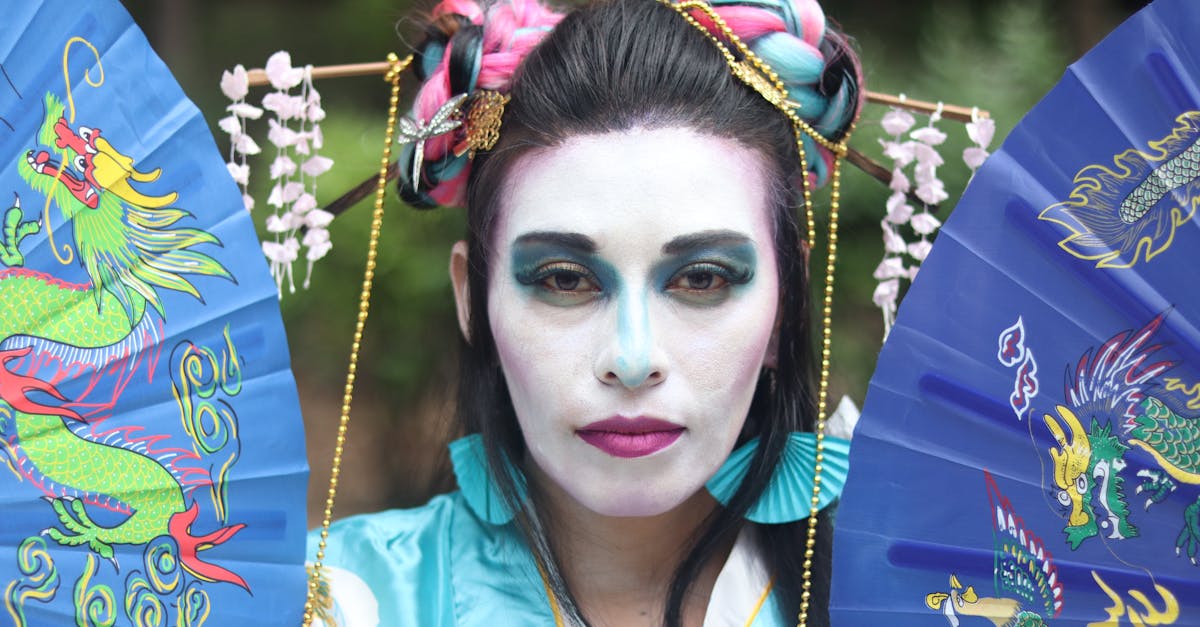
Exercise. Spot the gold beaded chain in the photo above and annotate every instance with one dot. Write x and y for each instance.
(757, 74)
(315, 579)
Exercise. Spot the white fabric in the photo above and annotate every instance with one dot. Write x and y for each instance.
(740, 584)
(354, 605)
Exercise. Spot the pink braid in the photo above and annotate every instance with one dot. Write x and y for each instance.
(465, 8)
(752, 23)
(748, 22)
(812, 21)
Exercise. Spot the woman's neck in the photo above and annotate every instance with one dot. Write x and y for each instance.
(620, 568)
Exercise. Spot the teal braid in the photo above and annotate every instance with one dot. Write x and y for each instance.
(823, 79)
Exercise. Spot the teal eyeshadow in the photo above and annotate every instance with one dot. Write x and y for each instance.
(529, 258)
(633, 324)
(740, 259)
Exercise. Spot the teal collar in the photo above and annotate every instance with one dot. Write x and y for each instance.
(786, 498)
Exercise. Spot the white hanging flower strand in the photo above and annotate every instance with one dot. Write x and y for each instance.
(980, 130)
(918, 153)
(235, 85)
(930, 189)
(294, 130)
(891, 269)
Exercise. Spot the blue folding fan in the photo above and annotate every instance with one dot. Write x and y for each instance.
(1029, 452)
(152, 467)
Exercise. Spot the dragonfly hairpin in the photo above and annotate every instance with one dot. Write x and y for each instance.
(441, 122)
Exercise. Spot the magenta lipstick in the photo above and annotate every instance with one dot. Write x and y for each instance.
(630, 437)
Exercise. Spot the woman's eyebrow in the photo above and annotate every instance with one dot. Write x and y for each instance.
(575, 241)
(704, 239)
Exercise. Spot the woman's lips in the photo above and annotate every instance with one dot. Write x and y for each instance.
(630, 437)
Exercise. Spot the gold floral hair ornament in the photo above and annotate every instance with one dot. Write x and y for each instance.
(478, 114)
(484, 114)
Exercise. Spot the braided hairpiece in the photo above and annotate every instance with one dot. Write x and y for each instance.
(466, 66)
(749, 68)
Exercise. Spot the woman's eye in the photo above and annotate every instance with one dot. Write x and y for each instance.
(703, 281)
(569, 281)
(704, 278)
(567, 278)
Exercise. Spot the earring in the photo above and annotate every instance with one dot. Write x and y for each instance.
(789, 492)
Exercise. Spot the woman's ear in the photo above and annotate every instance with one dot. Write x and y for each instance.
(462, 294)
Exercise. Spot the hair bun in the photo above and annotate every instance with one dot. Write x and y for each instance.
(466, 48)
(814, 60)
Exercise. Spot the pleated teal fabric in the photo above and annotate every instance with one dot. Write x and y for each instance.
(788, 496)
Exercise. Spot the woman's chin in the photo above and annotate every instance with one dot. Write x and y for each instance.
(649, 487)
(639, 501)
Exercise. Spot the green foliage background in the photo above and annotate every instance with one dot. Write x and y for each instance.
(1000, 55)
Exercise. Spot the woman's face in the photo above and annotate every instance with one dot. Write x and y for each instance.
(632, 297)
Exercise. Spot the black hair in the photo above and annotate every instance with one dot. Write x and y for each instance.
(616, 65)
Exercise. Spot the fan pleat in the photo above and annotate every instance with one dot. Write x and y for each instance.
(1013, 326)
(198, 265)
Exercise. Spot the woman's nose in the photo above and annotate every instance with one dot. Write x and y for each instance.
(632, 357)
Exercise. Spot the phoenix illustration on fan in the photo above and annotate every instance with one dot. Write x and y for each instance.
(1121, 388)
(1025, 575)
(116, 483)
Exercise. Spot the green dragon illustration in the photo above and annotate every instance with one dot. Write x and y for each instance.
(1115, 384)
(1172, 440)
(1085, 461)
(130, 247)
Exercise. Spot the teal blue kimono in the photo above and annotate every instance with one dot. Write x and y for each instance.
(442, 565)
(459, 561)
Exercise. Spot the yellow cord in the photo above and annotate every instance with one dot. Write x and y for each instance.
(762, 600)
(315, 578)
(551, 598)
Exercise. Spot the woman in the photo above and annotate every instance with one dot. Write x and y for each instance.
(632, 298)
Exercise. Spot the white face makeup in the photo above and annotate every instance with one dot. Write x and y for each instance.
(632, 297)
